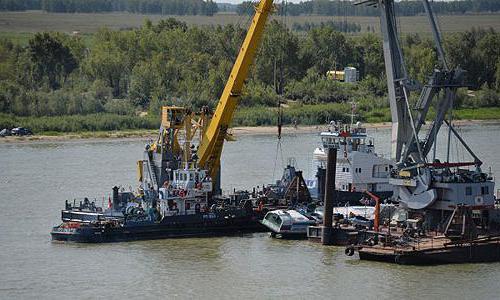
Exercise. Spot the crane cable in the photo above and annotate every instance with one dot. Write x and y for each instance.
(278, 84)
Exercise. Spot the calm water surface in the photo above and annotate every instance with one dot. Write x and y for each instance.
(36, 178)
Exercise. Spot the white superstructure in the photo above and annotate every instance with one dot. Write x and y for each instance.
(359, 168)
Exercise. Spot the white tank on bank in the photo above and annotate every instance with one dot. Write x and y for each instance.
(350, 74)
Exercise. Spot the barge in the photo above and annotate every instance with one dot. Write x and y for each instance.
(108, 229)
(435, 251)
(182, 208)
(463, 241)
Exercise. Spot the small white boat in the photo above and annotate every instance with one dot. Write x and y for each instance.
(287, 223)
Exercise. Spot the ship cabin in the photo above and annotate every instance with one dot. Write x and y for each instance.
(186, 194)
(359, 167)
(347, 139)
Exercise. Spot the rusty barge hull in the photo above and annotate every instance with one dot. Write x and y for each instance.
(465, 253)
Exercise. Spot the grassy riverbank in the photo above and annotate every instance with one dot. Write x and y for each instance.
(308, 118)
(322, 113)
(142, 134)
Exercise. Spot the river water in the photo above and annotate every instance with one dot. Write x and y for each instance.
(36, 178)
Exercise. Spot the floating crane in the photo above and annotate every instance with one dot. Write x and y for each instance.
(421, 182)
(180, 127)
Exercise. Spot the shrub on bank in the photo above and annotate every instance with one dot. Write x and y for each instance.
(302, 114)
(78, 123)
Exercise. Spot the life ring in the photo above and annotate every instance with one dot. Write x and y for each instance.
(182, 193)
(349, 251)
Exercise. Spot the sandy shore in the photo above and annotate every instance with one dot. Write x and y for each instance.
(237, 131)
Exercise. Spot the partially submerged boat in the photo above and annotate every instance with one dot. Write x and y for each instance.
(288, 223)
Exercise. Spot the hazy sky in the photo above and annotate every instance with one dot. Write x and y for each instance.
(239, 1)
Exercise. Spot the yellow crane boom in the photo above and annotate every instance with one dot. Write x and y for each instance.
(210, 148)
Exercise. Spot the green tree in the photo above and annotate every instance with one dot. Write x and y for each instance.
(51, 59)
(325, 49)
(277, 60)
(142, 84)
(368, 55)
(107, 62)
(489, 53)
(497, 76)
(468, 51)
(420, 61)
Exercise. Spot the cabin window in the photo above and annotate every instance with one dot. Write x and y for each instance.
(359, 170)
(468, 190)
(484, 190)
(347, 170)
(343, 169)
(191, 177)
(274, 219)
(188, 205)
(386, 169)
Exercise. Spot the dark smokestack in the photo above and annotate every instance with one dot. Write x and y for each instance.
(331, 167)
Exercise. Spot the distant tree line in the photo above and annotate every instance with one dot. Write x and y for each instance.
(20, 5)
(209, 7)
(404, 8)
(123, 72)
(165, 7)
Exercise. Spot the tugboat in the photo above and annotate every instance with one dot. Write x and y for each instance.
(182, 208)
(359, 167)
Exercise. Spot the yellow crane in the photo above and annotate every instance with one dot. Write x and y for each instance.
(210, 148)
(179, 126)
